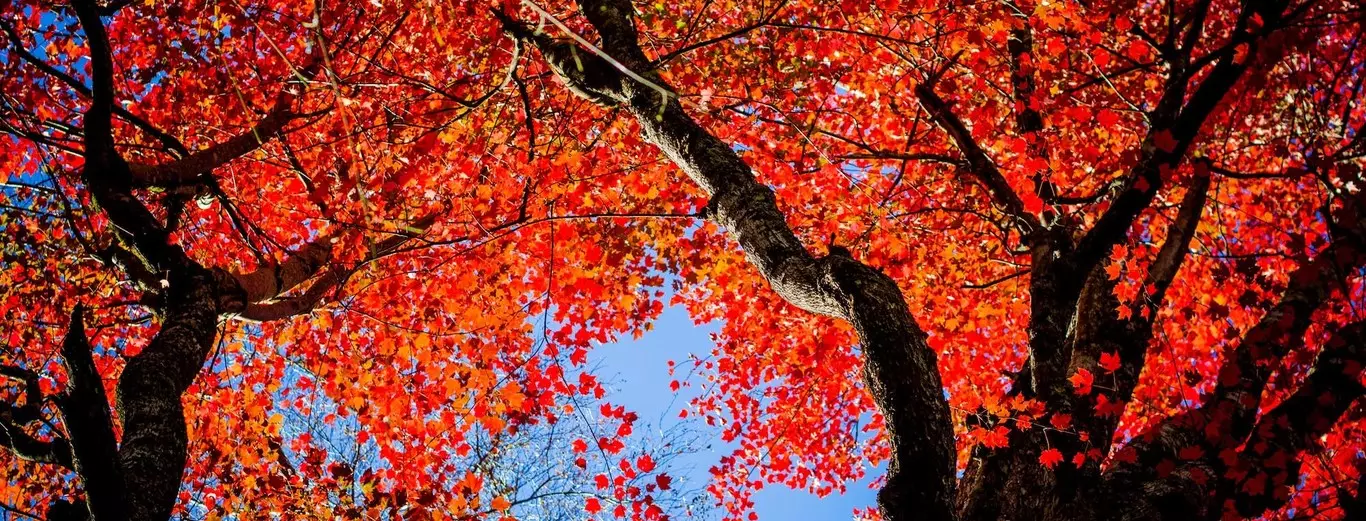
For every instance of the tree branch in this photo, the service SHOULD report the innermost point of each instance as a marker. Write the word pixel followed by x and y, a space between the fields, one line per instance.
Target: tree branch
pixel 189 169
pixel 1271 455
pixel 271 281
pixel 1174 249
pixel 85 413
pixel 167 140
pixel 979 165
pixel 105 172
pixel 33 394
pixel 1165 145
pixel 14 418
pixel 1244 375
pixel 153 451
pixel 1226 417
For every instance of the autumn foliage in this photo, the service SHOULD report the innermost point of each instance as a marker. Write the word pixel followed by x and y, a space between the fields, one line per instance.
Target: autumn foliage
pixel 1038 260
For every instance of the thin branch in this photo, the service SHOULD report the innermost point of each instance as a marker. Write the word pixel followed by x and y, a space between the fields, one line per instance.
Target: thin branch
pixel 997 280
pixel 979 165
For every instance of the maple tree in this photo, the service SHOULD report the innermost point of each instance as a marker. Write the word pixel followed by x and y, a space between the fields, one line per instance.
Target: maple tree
pixel 1045 260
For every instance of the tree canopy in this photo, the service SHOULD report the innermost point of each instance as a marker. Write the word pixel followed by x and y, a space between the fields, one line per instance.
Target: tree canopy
pixel 1041 259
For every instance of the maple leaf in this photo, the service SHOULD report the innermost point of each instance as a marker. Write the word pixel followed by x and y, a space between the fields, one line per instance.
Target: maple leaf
pixel 1107 118
pixel 1050 458
pixel 500 504
pixel 1114 270
pixel 1109 362
pixel 1061 421
pixel 645 463
pixel 1164 141
pixel 1190 452
pixel 427 237
pixel 1082 381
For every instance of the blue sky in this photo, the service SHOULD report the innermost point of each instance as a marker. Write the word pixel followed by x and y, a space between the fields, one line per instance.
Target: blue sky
pixel 639 379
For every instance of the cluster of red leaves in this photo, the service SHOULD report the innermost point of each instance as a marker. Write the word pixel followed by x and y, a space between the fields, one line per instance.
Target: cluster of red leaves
pixel 559 228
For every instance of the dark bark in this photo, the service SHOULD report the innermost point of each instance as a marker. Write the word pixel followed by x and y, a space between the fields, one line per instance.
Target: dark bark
pixel 1074 308
pixel 1100 330
pixel 138 477
pixel 1073 315
pixel 978 163
pixel 154 439
pixel 85 412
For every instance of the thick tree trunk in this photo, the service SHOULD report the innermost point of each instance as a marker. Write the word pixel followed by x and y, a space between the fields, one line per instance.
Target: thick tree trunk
pixel 153 449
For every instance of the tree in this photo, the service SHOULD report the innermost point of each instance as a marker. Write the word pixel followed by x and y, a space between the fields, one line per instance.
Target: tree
pixel 1103 260
pixel 1218 454
pixel 271 347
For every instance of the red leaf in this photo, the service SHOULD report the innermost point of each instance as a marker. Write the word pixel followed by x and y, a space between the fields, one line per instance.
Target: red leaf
pixel 1109 362
pixel 1081 382
pixel 1050 458
pixel 645 463
pixel 1061 421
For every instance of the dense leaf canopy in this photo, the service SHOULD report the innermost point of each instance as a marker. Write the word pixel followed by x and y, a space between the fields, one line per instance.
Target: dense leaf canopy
pixel 1114 224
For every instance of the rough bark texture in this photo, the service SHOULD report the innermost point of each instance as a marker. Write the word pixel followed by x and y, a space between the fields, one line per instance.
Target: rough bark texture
pixel 138 477
pixel 154 440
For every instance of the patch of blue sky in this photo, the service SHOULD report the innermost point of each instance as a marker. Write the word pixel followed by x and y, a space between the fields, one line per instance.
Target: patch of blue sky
pixel 639 374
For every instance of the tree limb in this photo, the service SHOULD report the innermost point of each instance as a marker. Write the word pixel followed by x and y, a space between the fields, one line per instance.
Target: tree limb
pixel 85 413
pixel 1174 249
pixel 1271 455
pixel 1172 135
pixel 189 169
pixel 1226 417
pixel 273 280
pixel 979 165
pixel 167 140
pixel 153 451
